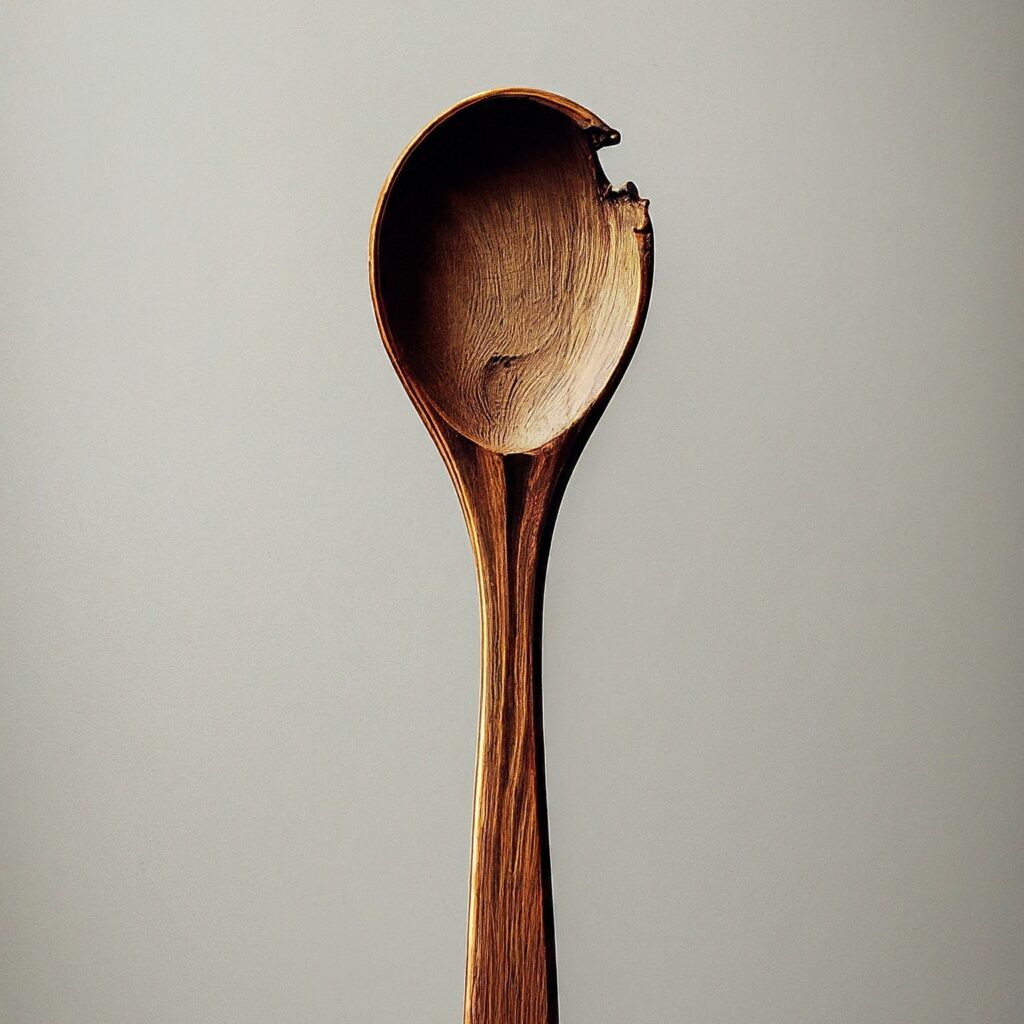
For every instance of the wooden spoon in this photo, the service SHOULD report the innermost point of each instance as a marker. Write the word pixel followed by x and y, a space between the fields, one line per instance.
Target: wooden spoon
pixel 510 283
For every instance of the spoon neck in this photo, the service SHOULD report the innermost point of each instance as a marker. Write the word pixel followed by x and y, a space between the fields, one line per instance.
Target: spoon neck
pixel 510 522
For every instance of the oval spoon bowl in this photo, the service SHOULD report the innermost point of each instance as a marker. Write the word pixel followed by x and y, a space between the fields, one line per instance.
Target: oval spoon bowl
pixel 509 278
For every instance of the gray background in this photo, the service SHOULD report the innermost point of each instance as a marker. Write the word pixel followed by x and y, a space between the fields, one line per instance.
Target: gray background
pixel 239 621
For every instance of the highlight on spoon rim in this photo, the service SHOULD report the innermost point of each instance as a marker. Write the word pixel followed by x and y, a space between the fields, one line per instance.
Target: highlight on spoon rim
pixel 589 250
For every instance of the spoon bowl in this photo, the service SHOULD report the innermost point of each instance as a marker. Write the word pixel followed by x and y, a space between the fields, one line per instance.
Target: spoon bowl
pixel 509 276
pixel 510 283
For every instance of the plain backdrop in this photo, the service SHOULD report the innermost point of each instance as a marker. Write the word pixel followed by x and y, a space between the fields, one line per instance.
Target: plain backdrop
pixel 784 653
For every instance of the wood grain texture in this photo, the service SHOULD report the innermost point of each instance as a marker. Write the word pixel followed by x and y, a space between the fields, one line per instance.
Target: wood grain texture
pixel 510 283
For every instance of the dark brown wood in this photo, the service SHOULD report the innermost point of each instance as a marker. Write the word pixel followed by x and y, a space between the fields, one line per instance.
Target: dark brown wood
pixel 510 283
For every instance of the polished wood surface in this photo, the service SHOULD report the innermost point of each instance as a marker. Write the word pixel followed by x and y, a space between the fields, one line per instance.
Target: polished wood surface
pixel 510 283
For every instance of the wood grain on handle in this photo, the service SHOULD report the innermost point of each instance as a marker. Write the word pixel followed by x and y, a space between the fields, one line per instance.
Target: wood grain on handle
pixel 510 975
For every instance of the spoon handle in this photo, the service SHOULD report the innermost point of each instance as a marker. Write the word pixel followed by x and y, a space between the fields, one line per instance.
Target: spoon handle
pixel 510 502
